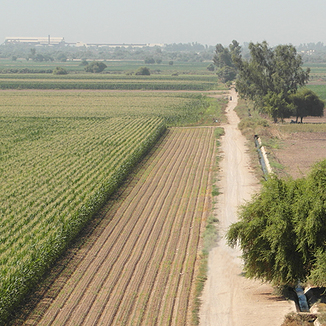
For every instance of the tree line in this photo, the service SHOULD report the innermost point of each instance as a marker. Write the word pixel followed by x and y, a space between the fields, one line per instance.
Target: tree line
pixel 273 78
pixel 281 231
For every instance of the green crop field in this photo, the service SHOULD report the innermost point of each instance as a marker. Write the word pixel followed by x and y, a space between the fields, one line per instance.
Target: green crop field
pixel 119 75
pixel 63 153
pixel 113 66
pixel 320 90
pixel 55 175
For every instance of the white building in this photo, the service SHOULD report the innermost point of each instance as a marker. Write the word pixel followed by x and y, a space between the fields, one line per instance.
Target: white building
pixel 35 40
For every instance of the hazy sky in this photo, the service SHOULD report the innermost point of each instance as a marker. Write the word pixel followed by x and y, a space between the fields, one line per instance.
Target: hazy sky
pixel 167 21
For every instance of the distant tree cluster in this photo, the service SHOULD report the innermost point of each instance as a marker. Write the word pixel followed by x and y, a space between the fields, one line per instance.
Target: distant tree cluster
pixel 183 52
pixel 60 71
pixel 281 231
pixel 95 67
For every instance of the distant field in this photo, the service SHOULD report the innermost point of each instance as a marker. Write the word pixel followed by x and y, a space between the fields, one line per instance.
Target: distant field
pixel 118 75
pixel 114 66
pixel 173 107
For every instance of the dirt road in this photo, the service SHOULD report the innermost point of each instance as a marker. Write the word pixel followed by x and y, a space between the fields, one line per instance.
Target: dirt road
pixel 229 299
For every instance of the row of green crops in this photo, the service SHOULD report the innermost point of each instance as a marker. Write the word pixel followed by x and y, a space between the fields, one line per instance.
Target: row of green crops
pixel 174 107
pixel 62 154
pixel 106 84
pixel 56 173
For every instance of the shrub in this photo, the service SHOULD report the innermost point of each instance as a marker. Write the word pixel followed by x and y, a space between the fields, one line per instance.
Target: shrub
pixel 143 71
pixel 60 71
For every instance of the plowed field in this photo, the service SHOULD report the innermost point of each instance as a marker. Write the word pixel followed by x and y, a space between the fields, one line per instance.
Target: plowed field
pixel 139 268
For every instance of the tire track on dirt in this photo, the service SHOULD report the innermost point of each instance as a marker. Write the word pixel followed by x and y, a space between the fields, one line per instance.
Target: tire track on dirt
pixel 146 245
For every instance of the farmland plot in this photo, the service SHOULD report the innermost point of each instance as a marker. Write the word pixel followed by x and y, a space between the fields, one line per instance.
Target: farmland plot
pixel 139 270
pixel 55 174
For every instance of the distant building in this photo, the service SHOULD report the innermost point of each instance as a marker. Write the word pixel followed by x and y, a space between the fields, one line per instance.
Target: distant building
pixel 35 40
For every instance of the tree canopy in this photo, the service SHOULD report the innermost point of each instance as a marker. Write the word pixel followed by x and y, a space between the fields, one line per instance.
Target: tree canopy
pixel 306 103
pixel 224 61
pixel 281 231
pixel 95 66
pixel 270 76
pixel 143 71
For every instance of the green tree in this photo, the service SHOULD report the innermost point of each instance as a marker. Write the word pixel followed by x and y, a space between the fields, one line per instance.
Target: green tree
pixel 210 67
pixel 61 57
pixel 143 71
pixel 95 67
pixel 226 74
pixel 149 60
pixel 281 231
pixel 307 103
pixel 83 63
pixel 270 71
pixel 60 71
pixel 224 59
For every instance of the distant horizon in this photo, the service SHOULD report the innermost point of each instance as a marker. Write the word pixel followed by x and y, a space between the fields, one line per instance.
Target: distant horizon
pixel 145 44
pixel 207 22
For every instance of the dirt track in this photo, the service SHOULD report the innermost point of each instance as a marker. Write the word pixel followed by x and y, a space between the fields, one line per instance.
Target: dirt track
pixel 229 299
pixel 139 270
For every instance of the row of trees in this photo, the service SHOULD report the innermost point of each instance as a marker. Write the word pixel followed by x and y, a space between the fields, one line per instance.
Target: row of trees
pixel 271 77
pixel 282 230
pixel 175 52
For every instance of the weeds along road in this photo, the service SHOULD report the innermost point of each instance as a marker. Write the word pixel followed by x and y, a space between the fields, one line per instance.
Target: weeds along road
pixel 229 299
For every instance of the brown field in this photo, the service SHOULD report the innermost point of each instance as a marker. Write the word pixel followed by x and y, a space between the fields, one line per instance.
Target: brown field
pixel 302 145
pixel 139 264
pixel 300 151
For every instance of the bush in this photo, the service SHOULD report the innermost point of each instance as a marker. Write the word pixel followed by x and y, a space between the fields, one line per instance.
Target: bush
pixel 95 67
pixel 143 71
pixel 60 71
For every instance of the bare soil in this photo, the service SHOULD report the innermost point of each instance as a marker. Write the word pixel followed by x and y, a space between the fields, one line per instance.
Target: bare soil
pixel 229 299
pixel 299 152
pixel 138 266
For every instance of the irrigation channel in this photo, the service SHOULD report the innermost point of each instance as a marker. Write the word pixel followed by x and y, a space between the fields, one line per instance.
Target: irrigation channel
pixel 229 299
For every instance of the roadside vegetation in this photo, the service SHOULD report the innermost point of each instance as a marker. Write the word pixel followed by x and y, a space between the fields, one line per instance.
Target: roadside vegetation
pixel 281 229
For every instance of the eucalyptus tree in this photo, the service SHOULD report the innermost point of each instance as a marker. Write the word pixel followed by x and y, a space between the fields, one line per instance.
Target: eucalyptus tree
pixel 269 76
pixel 223 59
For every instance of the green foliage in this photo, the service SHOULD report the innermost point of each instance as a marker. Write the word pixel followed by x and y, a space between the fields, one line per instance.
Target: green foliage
pixel 143 71
pixel 270 76
pixel 60 71
pixel 307 103
pixel 149 60
pixel 226 74
pixel 95 67
pixel 224 59
pixel 83 63
pixel 277 106
pixel 282 230
pixel 210 67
